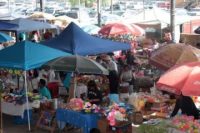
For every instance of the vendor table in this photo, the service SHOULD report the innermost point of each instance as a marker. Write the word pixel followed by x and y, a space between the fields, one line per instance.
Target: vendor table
pixel 14 109
pixel 78 119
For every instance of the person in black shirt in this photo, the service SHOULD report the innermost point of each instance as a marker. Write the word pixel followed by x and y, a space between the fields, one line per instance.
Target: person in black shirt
pixel 114 86
pixel 187 106
pixel 94 95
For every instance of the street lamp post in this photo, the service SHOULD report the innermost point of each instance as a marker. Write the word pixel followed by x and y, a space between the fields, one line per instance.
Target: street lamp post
pixel 41 5
pixel 99 12
pixel 172 19
pixel 111 7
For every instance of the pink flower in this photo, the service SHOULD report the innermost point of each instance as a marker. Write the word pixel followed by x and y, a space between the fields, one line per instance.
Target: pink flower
pixel 111 118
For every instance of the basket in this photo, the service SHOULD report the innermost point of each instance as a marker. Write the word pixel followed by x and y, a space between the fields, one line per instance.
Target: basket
pixel 137 118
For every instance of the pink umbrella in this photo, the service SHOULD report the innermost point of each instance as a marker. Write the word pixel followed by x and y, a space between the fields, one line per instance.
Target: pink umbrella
pixel 137 30
pixel 183 79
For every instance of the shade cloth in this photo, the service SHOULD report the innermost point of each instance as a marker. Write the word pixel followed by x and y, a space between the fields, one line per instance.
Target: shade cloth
pixel 27 55
pixel 74 40
pixel 78 119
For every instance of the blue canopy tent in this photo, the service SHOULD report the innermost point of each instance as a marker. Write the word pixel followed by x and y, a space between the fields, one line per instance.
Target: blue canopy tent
pixel 74 40
pixel 25 56
pixel 5 25
pixel 5 37
pixel 25 25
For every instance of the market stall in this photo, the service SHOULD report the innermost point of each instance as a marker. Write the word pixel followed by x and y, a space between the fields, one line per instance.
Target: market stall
pixel 25 59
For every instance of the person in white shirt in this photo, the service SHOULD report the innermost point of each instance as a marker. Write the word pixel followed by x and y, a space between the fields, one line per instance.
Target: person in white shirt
pixel 111 65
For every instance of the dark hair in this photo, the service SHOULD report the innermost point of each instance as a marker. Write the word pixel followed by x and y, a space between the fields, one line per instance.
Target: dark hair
pixel 95 130
pixel 92 83
pixel 42 82
pixel 98 58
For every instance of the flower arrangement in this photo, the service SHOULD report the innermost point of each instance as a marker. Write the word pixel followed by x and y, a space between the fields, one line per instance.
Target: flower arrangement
pixel 88 108
pixel 76 104
pixel 186 124
pixel 116 114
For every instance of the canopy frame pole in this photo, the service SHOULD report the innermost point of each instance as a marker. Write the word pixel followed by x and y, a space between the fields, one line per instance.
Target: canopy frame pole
pixel 27 102
pixel 172 19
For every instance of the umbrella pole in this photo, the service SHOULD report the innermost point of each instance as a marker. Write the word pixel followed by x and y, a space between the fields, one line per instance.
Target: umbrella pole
pixel 75 84
pixel 27 103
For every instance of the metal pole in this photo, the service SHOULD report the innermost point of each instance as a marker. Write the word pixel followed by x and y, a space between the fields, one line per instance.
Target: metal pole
pixel 172 19
pixel 27 102
pixel 41 5
pixel 79 11
pixel 143 11
pixel 111 7
pixel 99 12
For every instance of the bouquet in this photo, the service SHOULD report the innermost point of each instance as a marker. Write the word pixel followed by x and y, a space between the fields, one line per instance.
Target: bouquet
pixel 76 104
pixel 116 114
pixel 186 124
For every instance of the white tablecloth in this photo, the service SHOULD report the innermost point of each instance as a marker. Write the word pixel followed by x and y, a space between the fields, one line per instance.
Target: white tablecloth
pixel 14 109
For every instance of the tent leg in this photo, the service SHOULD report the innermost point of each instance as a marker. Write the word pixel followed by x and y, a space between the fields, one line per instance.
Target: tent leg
pixel 1 129
pixel 27 103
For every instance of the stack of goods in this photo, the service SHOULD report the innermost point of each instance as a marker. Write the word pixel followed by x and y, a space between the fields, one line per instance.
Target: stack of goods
pixel 19 97
pixel 138 101
pixel 157 100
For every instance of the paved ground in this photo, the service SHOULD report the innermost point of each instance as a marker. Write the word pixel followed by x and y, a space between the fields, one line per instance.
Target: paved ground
pixel 10 127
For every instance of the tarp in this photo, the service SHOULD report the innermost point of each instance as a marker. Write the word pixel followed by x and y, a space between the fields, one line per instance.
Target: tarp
pixel 5 25
pixel 27 55
pixel 27 25
pixel 74 40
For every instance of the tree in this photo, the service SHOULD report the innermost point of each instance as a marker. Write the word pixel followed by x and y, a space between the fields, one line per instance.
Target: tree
pixel 74 2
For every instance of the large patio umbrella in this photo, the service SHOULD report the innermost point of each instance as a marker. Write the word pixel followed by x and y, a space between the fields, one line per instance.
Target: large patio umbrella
pixel 113 29
pixel 41 16
pixel 174 54
pixel 182 79
pixel 138 31
pixel 77 64
pixel 4 37
pixel 91 29
pixel 66 20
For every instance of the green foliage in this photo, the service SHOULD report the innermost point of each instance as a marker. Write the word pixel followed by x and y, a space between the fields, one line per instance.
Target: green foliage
pixel 88 3
pixel 160 128
pixel 73 2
